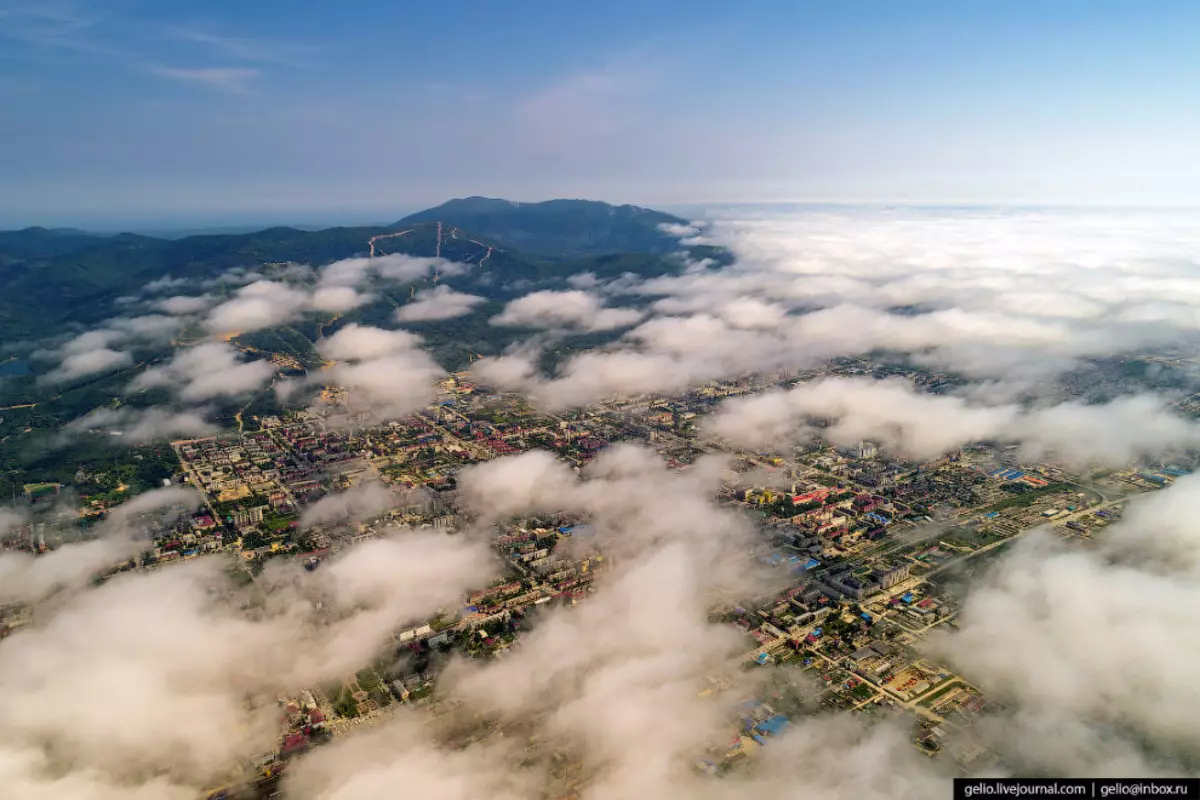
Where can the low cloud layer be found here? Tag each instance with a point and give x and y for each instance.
(138, 426)
(207, 371)
(96, 351)
(385, 373)
(1016, 297)
(570, 310)
(339, 287)
(362, 501)
(24, 576)
(1099, 686)
(161, 714)
(154, 685)
(440, 302)
(261, 304)
(918, 425)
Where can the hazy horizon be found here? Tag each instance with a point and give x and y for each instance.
(203, 224)
(218, 113)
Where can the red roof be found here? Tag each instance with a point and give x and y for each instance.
(294, 741)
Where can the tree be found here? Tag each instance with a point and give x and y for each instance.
(253, 539)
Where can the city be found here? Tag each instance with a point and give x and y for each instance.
(870, 553)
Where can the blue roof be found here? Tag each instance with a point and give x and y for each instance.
(774, 725)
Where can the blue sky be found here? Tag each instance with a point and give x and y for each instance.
(175, 112)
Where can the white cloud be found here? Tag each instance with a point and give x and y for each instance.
(137, 426)
(226, 79)
(206, 371)
(1018, 297)
(25, 577)
(338, 299)
(262, 304)
(385, 372)
(1039, 630)
(182, 305)
(575, 309)
(94, 351)
(362, 501)
(153, 684)
(91, 362)
(440, 302)
(911, 423)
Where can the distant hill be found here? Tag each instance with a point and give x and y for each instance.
(81, 285)
(52, 278)
(560, 229)
(43, 242)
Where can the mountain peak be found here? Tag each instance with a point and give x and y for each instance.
(556, 228)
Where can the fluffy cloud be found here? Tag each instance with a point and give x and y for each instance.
(1038, 633)
(363, 342)
(170, 681)
(385, 373)
(150, 327)
(24, 576)
(362, 501)
(262, 304)
(919, 425)
(206, 371)
(1020, 297)
(137, 426)
(395, 267)
(182, 305)
(161, 713)
(164, 283)
(78, 365)
(575, 309)
(440, 302)
(94, 351)
(991, 297)
(338, 299)
(340, 287)
(399, 759)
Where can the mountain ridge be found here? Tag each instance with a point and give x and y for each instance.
(49, 280)
(559, 228)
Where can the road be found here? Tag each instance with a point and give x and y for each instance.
(193, 477)
(954, 562)
(373, 239)
(486, 255)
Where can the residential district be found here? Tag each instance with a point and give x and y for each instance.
(873, 552)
